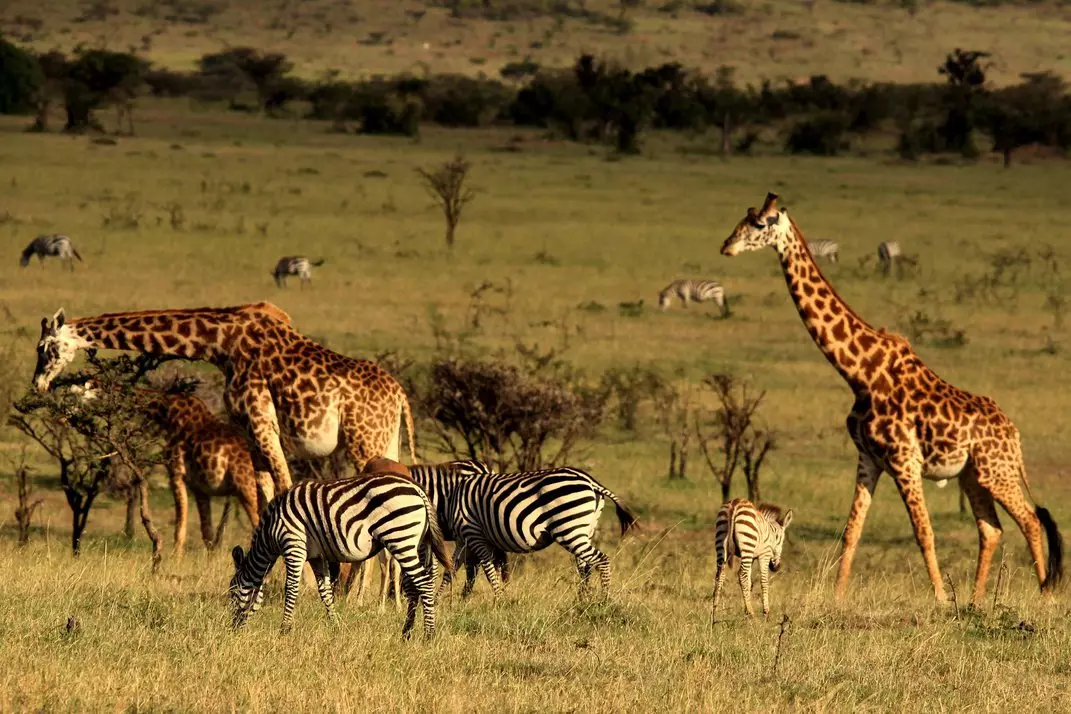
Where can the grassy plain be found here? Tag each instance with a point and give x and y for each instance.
(879, 40)
(249, 190)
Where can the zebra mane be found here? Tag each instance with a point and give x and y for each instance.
(771, 512)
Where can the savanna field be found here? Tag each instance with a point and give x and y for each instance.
(198, 206)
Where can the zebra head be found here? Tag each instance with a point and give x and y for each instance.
(246, 592)
(783, 521)
(55, 350)
(768, 226)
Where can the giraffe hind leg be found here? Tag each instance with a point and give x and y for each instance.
(1003, 483)
(989, 530)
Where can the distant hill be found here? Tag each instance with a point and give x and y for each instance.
(893, 40)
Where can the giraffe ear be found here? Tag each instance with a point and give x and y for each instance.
(238, 555)
(786, 519)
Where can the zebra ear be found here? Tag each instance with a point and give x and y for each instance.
(786, 519)
(58, 318)
(238, 555)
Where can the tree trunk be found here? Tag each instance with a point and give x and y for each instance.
(450, 227)
(131, 513)
(753, 494)
(672, 459)
(726, 137)
(146, 520)
(725, 485)
(1007, 157)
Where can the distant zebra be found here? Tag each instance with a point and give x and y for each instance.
(343, 521)
(56, 245)
(693, 291)
(296, 266)
(889, 252)
(438, 481)
(828, 249)
(491, 514)
(750, 533)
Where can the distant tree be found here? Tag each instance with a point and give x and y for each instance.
(1036, 111)
(446, 186)
(965, 73)
(726, 105)
(265, 72)
(20, 79)
(98, 77)
(54, 66)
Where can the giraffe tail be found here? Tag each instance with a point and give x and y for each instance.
(1054, 568)
(410, 430)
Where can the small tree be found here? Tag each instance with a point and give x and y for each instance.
(87, 437)
(266, 73)
(20, 79)
(733, 428)
(966, 82)
(446, 186)
(27, 503)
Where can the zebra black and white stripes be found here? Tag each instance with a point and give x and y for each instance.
(827, 249)
(693, 291)
(889, 252)
(296, 266)
(344, 521)
(491, 514)
(750, 533)
(56, 245)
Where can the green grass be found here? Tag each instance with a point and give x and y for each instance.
(618, 231)
(776, 40)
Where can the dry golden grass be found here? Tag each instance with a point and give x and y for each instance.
(617, 231)
(774, 40)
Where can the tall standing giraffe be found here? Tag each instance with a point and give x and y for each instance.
(906, 420)
(283, 386)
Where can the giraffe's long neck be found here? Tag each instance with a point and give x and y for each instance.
(179, 333)
(852, 346)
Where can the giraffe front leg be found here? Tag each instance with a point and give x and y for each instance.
(866, 480)
(745, 585)
(177, 479)
(322, 571)
(908, 476)
(265, 428)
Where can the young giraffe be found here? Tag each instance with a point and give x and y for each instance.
(280, 384)
(206, 454)
(906, 420)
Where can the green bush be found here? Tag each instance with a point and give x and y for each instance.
(822, 135)
(20, 79)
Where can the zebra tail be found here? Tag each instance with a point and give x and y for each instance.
(317, 263)
(435, 536)
(76, 255)
(625, 517)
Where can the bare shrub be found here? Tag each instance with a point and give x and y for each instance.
(446, 186)
(508, 417)
(27, 504)
(673, 406)
(87, 437)
(733, 427)
(630, 388)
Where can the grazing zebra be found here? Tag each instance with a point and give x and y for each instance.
(889, 252)
(491, 514)
(693, 290)
(438, 481)
(55, 244)
(294, 265)
(750, 533)
(828, 249)
(343, 521)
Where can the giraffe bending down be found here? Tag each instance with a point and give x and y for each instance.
(284, 387)
(906, 420)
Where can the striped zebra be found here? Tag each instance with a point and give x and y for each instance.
(491, 514)
(827, 249)
(889, 252)
(751, 533)
(343, 521)
(294, 266)
(56, 245)
(693, 291)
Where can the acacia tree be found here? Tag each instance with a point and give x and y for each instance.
(740, 440)
(446, 186)
(88, 437)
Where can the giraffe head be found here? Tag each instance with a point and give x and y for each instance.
(55, 350)
(246, 593)
(768, 226)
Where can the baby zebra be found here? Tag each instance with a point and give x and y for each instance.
(827, 249)
(693, 290)
(343, 521)
(889, 252)
(294, 265)
(492, 514)
(56, 245)
(750, 533)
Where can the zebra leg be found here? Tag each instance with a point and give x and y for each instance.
(484, 554)
(322, 570)
(294, 556)
(586, 553)
(764, 581)
(745, 584)
(719, 581)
